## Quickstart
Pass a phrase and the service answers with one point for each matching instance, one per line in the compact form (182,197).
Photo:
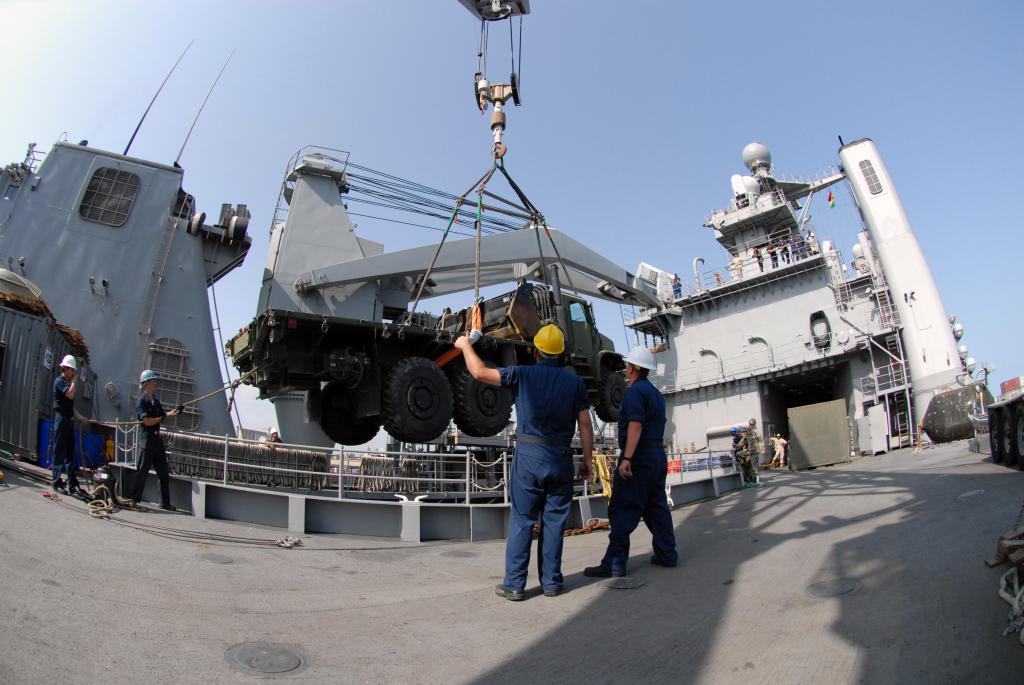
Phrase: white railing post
(469,456)
(224,478)
(341,475)
(504,475)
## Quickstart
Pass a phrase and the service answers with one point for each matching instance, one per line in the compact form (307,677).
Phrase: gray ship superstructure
(787,333)
(120,253)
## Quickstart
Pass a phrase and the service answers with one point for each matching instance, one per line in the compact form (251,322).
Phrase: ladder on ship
(888,317)
(837,279)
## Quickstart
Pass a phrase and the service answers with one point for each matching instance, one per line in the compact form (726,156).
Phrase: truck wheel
(1009,426)
(336,417)
(417,400)
(480,410)
(995,436)
(610,390)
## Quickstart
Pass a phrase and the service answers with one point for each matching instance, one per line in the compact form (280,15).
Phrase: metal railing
(884,379)
(743,207)
(467,477)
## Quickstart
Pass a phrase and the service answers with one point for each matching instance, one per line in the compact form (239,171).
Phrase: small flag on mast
(831,200)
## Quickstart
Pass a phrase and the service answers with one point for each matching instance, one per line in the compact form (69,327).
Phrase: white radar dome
(970,364)
(962,351)
(756,155)
(958,330)
(857,250)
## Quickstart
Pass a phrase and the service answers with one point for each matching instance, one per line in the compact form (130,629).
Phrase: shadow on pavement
(738,609)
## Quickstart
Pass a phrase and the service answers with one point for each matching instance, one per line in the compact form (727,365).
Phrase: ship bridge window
(576,312)
(109,196)
(11,191)
(175,382)
(871,177)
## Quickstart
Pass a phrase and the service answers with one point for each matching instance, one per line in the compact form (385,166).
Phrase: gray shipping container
(31,348)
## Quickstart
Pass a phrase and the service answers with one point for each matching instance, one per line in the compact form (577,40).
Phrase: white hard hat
(642,357)
(147,375)
(69,362)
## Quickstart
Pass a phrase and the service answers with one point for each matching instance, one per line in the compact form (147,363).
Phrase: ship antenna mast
(208,94)
(155,95)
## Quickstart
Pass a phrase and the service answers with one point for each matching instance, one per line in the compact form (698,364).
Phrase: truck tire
(336,417)
(610,390)
(480,410)
(416,402)
(995,436)
(1009,427)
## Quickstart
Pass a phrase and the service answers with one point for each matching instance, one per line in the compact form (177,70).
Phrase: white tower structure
(930,346)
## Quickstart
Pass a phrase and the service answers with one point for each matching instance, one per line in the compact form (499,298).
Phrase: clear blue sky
(633,118)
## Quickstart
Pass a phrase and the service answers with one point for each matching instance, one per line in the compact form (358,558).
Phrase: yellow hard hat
(549,340)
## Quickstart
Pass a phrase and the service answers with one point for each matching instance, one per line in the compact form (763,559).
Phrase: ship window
(871,177)
(175,382)
(10,192)
(109,197)
(576,312)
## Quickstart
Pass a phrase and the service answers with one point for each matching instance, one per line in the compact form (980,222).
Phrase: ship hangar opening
(804,387)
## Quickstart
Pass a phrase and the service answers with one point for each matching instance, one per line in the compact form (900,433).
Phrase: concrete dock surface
(868,572)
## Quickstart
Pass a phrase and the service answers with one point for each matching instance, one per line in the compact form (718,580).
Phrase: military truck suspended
(361,375)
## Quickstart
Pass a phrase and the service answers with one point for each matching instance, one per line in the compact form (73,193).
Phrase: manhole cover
(623,583)
(263,657)
(833,588)
(216,558)
(970,493)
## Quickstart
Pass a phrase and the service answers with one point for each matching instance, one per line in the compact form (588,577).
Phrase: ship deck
(86,600)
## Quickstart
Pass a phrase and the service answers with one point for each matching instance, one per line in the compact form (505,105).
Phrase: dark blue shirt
(149,408)
(642,402)
(548,399)
(65,407)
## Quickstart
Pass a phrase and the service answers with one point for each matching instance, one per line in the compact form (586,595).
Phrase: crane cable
(537,219)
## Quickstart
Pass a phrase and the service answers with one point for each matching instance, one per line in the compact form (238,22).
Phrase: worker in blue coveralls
(151,446)
(550,401)
(638,488)
(64,388)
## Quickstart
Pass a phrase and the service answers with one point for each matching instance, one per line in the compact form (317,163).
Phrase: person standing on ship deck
(638,489)
(64,388)
(550,401)
(151,449)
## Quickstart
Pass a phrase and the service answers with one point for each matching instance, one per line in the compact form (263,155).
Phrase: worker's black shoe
(552,591)
(657,561)
(79,492)
(510,595)
(600,572)
(168,507)
(59,488)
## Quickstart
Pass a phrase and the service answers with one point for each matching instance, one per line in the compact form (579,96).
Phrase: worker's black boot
(510,595)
